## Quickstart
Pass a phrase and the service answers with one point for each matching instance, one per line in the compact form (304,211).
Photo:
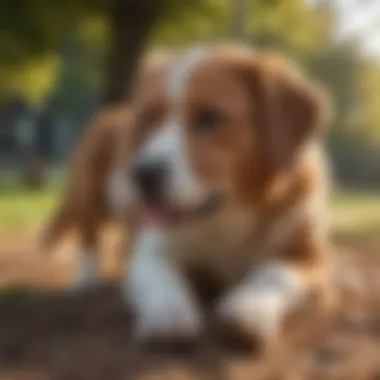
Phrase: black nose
(150,179)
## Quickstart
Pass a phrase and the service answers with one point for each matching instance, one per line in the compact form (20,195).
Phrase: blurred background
(63,61)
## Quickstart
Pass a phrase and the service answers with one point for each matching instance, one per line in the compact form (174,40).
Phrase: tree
(42,25)
(131,22)
(36,32)
(238,20)
(38,28)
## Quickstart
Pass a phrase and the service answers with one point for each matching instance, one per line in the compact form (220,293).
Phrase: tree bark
(238,21)
(131,23)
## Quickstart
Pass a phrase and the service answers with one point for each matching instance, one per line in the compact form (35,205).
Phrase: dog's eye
(208,119)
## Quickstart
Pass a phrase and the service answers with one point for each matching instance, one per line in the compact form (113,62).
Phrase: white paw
(84,283)
(255,313)
(261,303)
(158,293)
(167,315)
(86,277)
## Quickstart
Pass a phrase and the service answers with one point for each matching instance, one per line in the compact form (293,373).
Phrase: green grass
(19,296)
(25,209)
(354,214)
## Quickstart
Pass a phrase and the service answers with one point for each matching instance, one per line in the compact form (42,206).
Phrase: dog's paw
(252,314)
(170,320)
(258,307)
(165,310)
(86,277)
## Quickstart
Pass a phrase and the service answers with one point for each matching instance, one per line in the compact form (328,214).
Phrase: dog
(229,166)
(94,193)
(97,189)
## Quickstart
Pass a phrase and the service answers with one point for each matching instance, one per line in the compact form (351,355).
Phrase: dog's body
(94,194)
(223,151)
(243,128)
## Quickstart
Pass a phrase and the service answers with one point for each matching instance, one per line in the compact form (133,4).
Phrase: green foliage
(193,21)
(58,48)
(31,35)
(34,30)
(32,78)
(35,27)
(289,25)
(369,99)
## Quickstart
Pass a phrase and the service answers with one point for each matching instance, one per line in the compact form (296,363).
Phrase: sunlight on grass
(354,214)
(25,209)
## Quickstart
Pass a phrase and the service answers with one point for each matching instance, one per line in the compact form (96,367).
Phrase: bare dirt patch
(62,336)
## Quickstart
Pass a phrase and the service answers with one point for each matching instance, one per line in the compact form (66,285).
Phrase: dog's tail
(56,228)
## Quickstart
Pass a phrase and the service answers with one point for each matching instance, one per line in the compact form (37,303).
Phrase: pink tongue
(158,215)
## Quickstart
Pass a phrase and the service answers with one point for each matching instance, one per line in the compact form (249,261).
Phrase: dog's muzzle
(171,216)
(150,179)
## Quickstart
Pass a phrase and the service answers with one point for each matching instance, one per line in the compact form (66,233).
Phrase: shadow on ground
(49,336)
(59,336)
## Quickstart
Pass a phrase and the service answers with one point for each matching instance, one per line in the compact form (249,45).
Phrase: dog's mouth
(169,215)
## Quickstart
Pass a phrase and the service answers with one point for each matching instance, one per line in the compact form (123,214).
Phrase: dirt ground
(58,335)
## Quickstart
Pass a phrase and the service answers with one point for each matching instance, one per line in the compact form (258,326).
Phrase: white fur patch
(167,144)
(262,301)
(178,77)
(86,276)
(158,293)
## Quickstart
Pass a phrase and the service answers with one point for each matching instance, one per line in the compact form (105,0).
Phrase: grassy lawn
(354,214)
(25,209)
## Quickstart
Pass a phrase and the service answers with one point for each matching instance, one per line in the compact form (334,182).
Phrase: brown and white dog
(230,169)
(95,192)
(97,189)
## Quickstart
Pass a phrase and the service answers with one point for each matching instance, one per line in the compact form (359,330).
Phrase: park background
(63,61)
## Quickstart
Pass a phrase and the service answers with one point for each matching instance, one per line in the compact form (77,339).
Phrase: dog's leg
(130,224)
(159,296)
(261,300)
(258,306)
(87,276)
(123,208)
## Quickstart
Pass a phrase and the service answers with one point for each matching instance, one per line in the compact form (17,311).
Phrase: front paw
(168,319)
(167,322)
(259,306)
(250,320)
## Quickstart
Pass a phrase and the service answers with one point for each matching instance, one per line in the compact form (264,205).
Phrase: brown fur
(266,158)
(84,206)
(105,149)
(282,174)
(263,155)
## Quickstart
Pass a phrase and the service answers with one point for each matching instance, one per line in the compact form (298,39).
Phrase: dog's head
(219,125)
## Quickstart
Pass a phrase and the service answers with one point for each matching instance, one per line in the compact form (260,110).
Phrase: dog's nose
(150,179)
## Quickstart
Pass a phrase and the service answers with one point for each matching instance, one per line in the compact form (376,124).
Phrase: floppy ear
(288,110)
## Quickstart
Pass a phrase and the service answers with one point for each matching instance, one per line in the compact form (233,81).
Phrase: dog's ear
(288,110)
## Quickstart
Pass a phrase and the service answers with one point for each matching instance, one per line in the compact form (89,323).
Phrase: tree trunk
(238,22)
(131,23)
